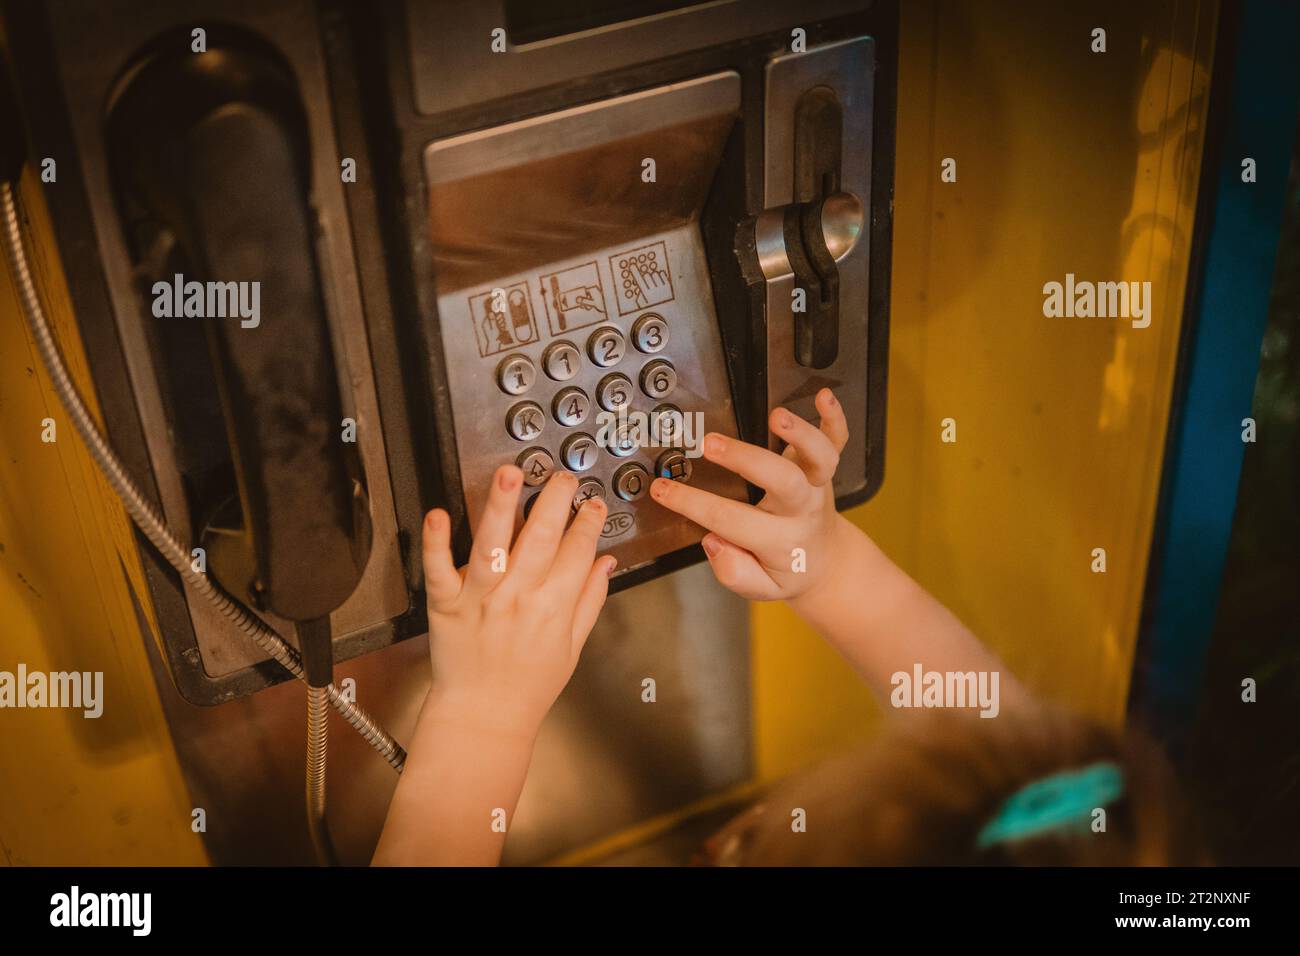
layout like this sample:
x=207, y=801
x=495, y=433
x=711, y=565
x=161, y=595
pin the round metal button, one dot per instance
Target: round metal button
x=562, y=361
x=674, y=465
x=537, y=465
x=614, y=393
x=516, y=374
x=631, y=481
x=571, y=406
x=623, y=441
x=667, y=424
x=578, y=453
x=650, y=333
x=588, y=488
x=607, y=346
x=658, y=378
x=524, y=421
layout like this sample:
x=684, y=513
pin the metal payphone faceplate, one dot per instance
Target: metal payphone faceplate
x=564, y=196
x=639, y=530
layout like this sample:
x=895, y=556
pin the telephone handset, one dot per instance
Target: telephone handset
x=211, y=159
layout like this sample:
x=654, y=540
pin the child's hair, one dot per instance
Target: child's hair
x=933, y=790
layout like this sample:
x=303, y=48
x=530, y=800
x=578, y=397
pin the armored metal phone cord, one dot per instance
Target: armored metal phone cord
x=153, y=527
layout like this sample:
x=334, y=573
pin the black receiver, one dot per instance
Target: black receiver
x=210, y=154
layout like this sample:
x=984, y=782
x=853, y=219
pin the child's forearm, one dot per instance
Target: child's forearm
x=883, y=622
x=457, y=792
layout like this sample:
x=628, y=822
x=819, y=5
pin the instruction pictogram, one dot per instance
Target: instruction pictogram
x=502, y=319
x=641, y=277
x=573, y=298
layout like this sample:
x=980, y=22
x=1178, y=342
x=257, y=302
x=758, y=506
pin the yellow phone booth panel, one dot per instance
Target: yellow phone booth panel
x=1024, y=448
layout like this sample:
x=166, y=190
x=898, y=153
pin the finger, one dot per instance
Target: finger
x=441, y=580
x=813, y=451
x=785, y=482
x=577, y=550
x=834, y=425
x=739, y=571
x=537, y=542
x=595, y=589
x=495, y=527
x=744, y=524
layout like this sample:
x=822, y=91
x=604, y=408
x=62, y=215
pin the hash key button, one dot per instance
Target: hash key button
x=673, y=465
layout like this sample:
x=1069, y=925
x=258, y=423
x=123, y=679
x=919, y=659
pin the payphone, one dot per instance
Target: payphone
x=568, y=236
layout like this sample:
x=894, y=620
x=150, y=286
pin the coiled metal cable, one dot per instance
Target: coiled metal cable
x=317, y=747
x=142, y=512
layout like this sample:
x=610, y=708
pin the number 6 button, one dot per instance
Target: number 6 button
x=658, y=378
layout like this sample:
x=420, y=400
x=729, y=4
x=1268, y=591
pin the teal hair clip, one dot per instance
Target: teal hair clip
x=1062, y=802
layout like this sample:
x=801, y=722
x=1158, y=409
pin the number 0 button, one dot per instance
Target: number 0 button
x=525, y=420
x=630, y=482
x=606, y=346
x=658, y=378
x=578, y=452
x=650, y=333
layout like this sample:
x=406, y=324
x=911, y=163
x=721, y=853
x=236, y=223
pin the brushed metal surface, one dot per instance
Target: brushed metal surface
x=545, y=231
x=845, y=67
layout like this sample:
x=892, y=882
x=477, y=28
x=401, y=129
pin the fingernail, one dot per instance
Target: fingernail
x=783, y=419
x=711, y=545
x=714, y=444
x=508, y=478
x=830, y=398
x=594, y=504
x=611, y=565
x=659, y=488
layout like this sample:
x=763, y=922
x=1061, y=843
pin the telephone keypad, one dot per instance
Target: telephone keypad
x=561, y=360
x=578, y=453
x=525, y=420
x=607, y=346
x=658, y=378
x=571, y=406
x=537, y=466
x=614, y=393
x=650, y=333
x=516, y=374
x=631, y=481
x=588, y=488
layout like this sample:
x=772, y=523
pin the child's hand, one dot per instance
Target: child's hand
x=506, y=630
x=766, y=545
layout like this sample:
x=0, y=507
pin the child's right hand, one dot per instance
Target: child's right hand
x=781, y=548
